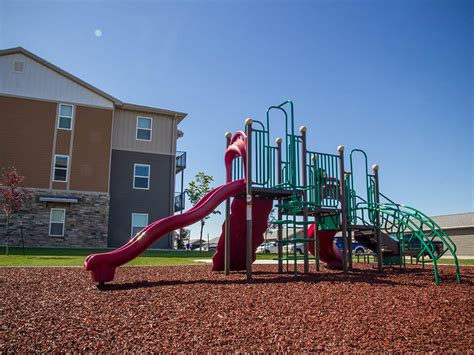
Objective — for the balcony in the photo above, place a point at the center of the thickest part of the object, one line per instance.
(179, 201)
(180, 161)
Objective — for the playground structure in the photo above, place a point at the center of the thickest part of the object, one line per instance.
(315, 197)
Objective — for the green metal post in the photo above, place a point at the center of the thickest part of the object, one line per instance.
(378, 235)
(228, 136)
(280, 213)
(349, 230)
(305, 198)
(343, 207)
(316, 219)
(248, 126)
(349, 248)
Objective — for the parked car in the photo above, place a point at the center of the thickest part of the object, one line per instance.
(291, 248)
(204, 246)
(357, 248)
(209, 247)
(268, 248)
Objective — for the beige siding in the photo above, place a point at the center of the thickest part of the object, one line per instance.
(163, 134)
(40, 82)
(26, 138)
(464, 240)
(90, 156)
(464, 244)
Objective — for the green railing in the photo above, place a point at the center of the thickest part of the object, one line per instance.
(272, 167)
(403, 225)
(323, 179)
(289, 155)
(395, 219)
(369, 196)
(398, 221)
(264, 156)
(261, 166)
(430, 229)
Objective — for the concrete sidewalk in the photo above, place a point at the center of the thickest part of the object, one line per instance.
(256, 262)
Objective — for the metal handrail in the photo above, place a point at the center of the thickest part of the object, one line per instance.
(427, 246)
(405, 219)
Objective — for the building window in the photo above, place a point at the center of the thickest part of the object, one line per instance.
(144, 127)
(61, 163)
(18, 66)
(65, 116)
(139, 221)
(56, 222)
(141, 176)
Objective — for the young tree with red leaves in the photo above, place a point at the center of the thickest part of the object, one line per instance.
(13, 197)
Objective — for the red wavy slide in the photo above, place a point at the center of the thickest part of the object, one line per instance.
(261, 208)
(102, 266)
(328, 252)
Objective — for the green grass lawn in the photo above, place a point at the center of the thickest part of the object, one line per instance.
(75, 257)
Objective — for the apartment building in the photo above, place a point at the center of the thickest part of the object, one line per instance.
(99, 169)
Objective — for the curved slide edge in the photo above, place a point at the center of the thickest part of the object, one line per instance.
(102, 266)
(328, 251)
(261, 209)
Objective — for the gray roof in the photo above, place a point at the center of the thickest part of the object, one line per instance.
(118, 103)
(458, 220)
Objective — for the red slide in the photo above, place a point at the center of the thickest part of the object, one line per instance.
(328, 251)
(102, 266)
(238, 233)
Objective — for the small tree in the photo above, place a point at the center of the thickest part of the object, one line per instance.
(181, 236)
(13, 198)
(271, 223)
(196, 190)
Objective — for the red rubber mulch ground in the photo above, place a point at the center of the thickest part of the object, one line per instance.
(193, 309)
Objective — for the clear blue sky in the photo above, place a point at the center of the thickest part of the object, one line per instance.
(392, 77)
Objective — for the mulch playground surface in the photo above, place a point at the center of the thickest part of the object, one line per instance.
(189, 308)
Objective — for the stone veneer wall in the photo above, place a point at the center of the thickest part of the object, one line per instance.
(86, 222)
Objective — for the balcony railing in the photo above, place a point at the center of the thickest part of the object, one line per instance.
(180, 161)
(179, 201)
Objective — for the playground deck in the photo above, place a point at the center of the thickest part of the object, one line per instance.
(189, 308)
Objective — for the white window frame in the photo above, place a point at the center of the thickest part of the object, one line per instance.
(134, 176)
(67, 167)
(146, 129)
(50, 221)
(73, 109)
(138, 214)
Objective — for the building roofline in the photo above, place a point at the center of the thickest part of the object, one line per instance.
(58, 70)
(133, 107)
(117, 103)
(453, 214)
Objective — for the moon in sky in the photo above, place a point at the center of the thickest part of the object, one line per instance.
(98, 33)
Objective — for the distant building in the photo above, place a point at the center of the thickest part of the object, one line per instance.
(460, 227)
(99, 169)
